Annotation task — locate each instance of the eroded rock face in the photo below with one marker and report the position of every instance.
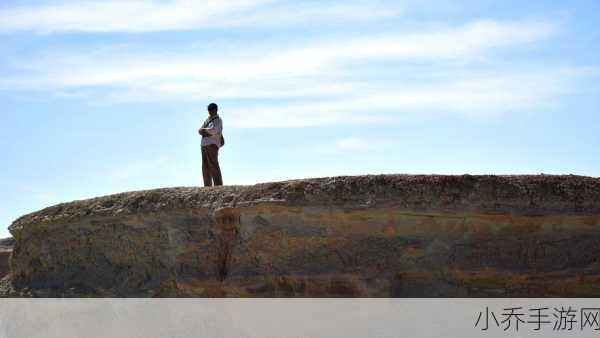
(6, 246)
(366, 236)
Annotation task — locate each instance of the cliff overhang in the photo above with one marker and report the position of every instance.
(361, 236)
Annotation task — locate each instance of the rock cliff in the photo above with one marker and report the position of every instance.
(6, 246)
(364, 236)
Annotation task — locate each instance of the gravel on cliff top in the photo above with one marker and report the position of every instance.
(519, 194)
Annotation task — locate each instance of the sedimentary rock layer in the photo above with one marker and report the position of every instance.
(365, 236)
(6, 246)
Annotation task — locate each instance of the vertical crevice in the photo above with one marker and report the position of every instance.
(227, 222)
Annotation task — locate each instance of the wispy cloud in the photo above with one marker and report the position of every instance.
(448, 43)
(468, 95)
(138, 168)
(334, 78)
(151, 16)
(352, 144)
(262, 72)
(120, 16)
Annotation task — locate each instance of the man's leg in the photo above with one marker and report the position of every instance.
(206, 167)
(215, 169)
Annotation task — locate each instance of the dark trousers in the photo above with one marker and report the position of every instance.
(210, 165)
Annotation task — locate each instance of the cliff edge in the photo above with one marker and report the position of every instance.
(363, 236)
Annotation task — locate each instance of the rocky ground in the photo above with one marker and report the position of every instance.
(362, 236)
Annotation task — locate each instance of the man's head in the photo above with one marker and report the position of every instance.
(213, 109)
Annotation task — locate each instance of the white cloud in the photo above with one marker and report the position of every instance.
(352, 144)
(324, 72)
(269, 70)
(121, 16)
(153, 15)
(139, 168)
(449, 43)
(468, 95)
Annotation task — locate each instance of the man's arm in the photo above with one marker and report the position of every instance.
(215, 127)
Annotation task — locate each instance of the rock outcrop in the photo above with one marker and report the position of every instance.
(364, 236)
(6, 246)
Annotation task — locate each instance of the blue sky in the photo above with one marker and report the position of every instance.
(100, 97)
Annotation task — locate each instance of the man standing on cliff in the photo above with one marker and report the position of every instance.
(212, 140)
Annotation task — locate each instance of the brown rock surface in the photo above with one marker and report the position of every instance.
(6, 246)
(364, 236)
